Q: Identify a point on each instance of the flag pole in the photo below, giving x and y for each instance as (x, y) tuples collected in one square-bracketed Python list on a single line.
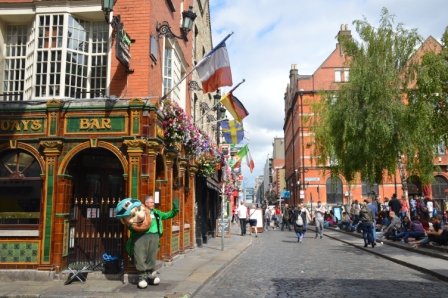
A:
[(219, 102), (233, 89), (196, 66)]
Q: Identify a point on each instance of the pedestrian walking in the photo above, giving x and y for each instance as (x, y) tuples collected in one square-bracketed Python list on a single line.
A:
[(277, 217), (287, 214), (235, 215), (267, 218), (301, 217), (253, 220), (242, 215), (319, 214), (366, 225), (299, 223), (373, 206)]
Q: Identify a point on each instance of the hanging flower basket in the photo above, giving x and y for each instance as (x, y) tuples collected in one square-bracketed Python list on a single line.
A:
[(179, 129), (208, 163), (174, 125)]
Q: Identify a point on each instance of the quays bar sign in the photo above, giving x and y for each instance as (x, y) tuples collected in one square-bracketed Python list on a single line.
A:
[(72, 125), (22, 126), (83, 124)]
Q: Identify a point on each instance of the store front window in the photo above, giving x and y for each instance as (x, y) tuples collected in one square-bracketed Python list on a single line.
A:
[(20, 189)]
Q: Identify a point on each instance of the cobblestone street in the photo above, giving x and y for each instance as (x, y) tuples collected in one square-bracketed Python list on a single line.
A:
[(277, 266)]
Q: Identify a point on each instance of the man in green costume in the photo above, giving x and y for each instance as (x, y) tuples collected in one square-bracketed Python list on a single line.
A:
[(145, 225)]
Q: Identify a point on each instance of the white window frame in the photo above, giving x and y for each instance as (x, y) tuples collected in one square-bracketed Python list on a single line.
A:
[(48, 80), (346, 74), (178, 71), (337, 75)]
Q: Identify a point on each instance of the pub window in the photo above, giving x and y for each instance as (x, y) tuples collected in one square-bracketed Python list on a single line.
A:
[(20, 189), (59, 55)]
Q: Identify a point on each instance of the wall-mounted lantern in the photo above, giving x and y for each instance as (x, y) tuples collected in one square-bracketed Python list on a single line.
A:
[(188, 17)]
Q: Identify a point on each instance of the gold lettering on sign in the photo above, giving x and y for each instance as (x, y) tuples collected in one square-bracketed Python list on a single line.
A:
[(95, 123), (20, 125), (36, 125), (83, 123)]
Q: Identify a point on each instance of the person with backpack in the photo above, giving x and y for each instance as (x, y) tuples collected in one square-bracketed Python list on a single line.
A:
[(301, 218)]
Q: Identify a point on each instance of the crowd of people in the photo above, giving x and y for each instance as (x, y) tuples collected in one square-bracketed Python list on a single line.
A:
[(296, 218), (416, 222)]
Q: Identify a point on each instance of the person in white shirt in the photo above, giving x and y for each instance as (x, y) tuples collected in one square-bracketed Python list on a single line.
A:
[(267, 218), (319, 213), (253, 220), (242, 215)]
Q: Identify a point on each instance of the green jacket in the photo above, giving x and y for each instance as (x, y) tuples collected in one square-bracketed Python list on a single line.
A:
[(156, 226)]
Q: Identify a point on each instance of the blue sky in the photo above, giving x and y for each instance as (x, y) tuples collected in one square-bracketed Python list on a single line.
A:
[(270, 35)]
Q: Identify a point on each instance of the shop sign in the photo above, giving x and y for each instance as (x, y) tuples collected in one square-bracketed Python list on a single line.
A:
[(123, 42), (78, 124), (23, 126)]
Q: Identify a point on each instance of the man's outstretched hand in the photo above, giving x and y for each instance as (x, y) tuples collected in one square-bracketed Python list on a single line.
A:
[(176, 204)]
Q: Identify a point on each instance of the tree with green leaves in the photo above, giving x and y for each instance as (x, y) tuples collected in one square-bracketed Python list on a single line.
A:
[(428, 108), (367, 126)]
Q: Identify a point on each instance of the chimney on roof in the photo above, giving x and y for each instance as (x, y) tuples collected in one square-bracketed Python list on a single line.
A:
[(343, 33), (293, 78)]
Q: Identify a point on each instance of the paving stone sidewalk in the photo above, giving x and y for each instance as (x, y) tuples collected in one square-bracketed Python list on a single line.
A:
[(180, 278)]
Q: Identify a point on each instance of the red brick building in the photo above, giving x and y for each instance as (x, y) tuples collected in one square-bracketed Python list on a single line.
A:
[(310, 181)]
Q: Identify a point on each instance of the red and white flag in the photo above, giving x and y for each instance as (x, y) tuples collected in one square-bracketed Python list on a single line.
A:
[(214, 69), (250, 161)]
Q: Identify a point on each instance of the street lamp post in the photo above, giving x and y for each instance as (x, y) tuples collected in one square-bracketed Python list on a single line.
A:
[(296, 182)]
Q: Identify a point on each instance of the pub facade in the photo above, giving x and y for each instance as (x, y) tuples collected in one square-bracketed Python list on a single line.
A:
[(82, 127)]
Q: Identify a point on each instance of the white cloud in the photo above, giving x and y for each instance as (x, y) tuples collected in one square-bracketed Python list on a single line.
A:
[(271, 35)]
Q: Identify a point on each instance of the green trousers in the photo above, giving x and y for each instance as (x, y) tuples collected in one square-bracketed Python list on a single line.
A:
[(145, 252)]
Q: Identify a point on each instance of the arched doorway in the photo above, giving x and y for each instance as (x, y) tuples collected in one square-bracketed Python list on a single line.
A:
[(98, 185), (334, 191)]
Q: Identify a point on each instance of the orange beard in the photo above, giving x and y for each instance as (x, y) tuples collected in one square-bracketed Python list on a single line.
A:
[(143, 226)]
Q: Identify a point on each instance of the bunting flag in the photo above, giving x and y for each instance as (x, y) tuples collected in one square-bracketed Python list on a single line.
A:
[(250, 161), (239, 156), (232, 131), (214, 69), (234, 106)]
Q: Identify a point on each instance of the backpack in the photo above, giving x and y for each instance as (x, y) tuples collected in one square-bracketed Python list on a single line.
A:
[(299, 220)]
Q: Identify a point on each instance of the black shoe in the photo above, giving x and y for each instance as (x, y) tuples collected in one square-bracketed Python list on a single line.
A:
[(366, 244), (298, 240), (373, 244)]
